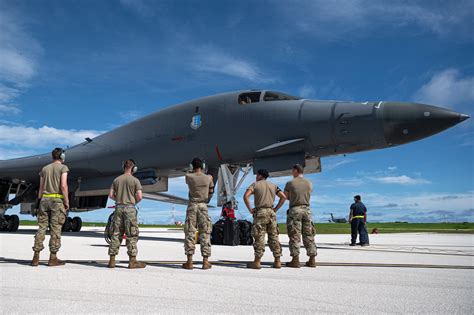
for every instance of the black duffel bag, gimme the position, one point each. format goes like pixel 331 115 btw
pixel 217 234
pixel 245 232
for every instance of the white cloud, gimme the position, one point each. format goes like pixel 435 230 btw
pixel 425 201
pixel 12 153
pixel 447 88
pixel 18 140
pixel 335 19
pixel 18 51
pixel 9 109
pixel 394 204
pixel 7 93
pixel 211 59
pixel 401 180
pixel 131 115
pixel 335 164
pixel 386 176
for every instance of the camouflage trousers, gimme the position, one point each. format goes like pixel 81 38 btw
pixel 299 222
pixel 197 216
pixel 52 214
pixel 124 221
pixel 264 221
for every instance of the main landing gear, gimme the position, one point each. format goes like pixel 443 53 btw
pixel 9 223
pixel 228 183
pixel 72 225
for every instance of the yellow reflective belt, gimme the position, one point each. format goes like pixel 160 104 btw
pixel 358 217
pixel 53 196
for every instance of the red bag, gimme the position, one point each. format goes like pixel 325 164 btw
pixel 228 213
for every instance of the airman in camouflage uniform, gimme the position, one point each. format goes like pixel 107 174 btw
pixel 124 221
pixel 264 218
pixel 126 191
pixel 299 219
pixel 53 206
pixel 201 188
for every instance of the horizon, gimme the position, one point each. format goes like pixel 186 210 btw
pixel 74 70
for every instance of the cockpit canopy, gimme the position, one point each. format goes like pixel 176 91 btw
pixel 255 97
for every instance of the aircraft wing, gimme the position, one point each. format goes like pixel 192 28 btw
pixel 164 197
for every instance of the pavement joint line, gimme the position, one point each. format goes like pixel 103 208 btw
pixel 238 263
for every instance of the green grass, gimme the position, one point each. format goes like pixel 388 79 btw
pixel 344 228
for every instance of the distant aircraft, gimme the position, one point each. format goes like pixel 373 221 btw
pixel 337 220
pixel 232 132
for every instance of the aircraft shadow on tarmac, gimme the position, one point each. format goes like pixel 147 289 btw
pixel 327 246
pixel 234 264
pixel 123 263
pixel 100 234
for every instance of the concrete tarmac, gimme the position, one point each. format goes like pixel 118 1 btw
pixel 398 273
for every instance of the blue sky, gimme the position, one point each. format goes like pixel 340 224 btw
pixel 71 69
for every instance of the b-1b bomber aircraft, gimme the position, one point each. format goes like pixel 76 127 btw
pixel 233 132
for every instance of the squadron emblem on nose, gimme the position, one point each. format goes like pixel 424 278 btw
pixel 196 122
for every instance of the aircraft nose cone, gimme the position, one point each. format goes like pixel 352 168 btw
pixel 407 122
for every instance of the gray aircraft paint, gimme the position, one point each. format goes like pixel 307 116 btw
pixel 235 133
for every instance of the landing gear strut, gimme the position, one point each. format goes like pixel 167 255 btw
pixel 228 183
pixel 9 223
pixel 72 224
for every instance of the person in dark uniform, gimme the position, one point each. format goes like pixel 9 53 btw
pixel 358 220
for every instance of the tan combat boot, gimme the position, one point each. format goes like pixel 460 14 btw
pixel 189 263
pixel 134 264
pixel 36 258
pixel 277 263
pixel 55 261
pixel 205 263
pixel 255 264
pixel 311 262
pixel 111 261
pixel 294 263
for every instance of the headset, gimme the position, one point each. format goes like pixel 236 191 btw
pixel 134 168
pixel 190 166
pixel 62 156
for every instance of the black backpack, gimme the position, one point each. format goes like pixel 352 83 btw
pixel 217 235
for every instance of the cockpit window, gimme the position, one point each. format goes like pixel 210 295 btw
pixel 247 98
pixel 277 96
